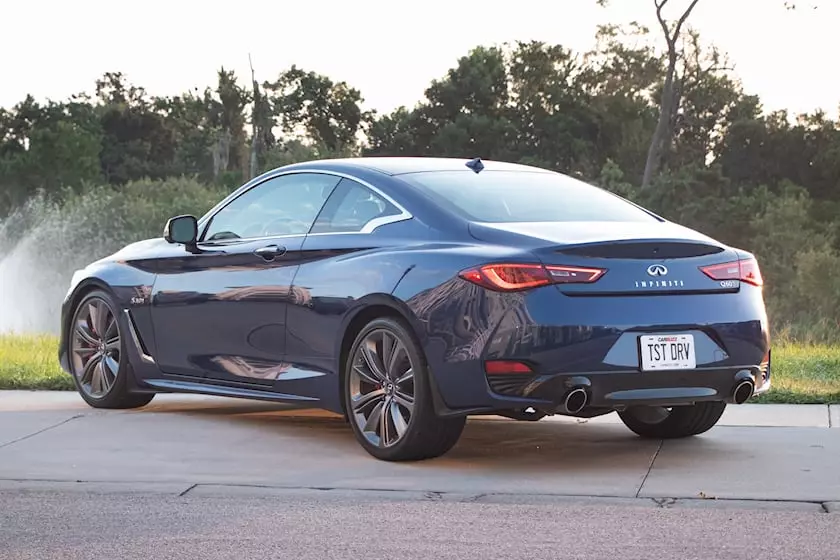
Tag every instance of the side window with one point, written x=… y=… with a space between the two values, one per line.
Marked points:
x=351 y=207
x=285 y=205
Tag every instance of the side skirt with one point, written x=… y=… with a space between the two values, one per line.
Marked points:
x=183 y=386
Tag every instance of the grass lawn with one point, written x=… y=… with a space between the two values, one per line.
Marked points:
x=801 y=373
x=31 y=362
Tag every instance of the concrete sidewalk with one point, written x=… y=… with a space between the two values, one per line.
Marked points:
x=189 y=443
x=747 y=415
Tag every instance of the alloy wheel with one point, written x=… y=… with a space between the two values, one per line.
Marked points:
x=382 y=388
x=95 y=347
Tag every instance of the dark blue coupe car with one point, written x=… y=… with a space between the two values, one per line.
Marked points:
x=410 y=293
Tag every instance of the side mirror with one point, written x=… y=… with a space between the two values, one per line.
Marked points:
x=182 y=229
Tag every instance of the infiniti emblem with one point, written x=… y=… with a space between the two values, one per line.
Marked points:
x=657 y=270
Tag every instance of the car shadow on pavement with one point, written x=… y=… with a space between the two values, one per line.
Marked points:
x=525 y=448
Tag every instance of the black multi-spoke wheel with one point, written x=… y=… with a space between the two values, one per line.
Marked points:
x=95 y=348
x=388 y=397
x=674 y=422
x=382 y=388
x=97 y=358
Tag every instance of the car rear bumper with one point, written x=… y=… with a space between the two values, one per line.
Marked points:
x=564 y=342
x=619 y=389
x=616 y=390
x=617 y=379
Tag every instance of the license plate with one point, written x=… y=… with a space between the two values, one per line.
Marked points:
x=667 y=351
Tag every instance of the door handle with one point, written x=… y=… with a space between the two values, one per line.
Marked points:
x=270 y=252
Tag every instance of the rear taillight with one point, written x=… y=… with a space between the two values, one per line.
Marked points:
x=518 y=277
x=574 y=275
x=745 y=270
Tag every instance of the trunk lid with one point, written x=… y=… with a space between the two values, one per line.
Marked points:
x=640 y=258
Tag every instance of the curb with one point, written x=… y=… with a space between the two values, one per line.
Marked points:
x=250 y=491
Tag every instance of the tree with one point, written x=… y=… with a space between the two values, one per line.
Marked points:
x=310 y=104
x=704 y=93
x=621 y=77
x=664 y=132
x=523 y=102
x=46 y=147
x=188 y=116
x=402 y=133
x=226 y=107
x=136 y=140
x=262 y=124
x=558 y=127
x=466 y=112
x=669 y=102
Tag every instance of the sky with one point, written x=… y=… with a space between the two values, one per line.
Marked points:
x=390 y=50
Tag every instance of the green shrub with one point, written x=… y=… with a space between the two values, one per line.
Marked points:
x=86 y=226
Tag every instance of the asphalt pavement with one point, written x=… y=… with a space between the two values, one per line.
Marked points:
x=346 y=525
x=206 y=477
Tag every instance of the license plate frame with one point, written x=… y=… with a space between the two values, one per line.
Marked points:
x=667 y=351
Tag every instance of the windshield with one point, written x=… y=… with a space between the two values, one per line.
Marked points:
x=522 y=196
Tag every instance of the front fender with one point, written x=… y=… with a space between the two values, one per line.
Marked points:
x=130 y=287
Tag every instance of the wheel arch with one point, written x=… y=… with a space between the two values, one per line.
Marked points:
x=373 y=307
x=72 y=301
x=84 y=288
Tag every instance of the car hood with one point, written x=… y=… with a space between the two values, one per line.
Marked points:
x=147 y=248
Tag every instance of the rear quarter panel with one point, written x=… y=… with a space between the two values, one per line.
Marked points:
x=343 y=278
x=462 y=324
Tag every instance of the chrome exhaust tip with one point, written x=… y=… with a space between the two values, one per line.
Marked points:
x=743 y=392
x=576 y=400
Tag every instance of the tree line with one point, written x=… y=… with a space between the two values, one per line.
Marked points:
x=766 y=181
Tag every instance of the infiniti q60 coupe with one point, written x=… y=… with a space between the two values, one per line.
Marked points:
x=409 y=293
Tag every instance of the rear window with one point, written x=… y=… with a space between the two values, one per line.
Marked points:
x=517 y=196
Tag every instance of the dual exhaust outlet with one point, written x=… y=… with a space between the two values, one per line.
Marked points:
x=743 y=391
x=577 y=399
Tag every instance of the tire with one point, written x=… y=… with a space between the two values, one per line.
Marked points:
x=424 y=435
x=102 y=387
x=679 y=422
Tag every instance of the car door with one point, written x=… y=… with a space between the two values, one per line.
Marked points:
x=221 y=313
x=357 y=220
